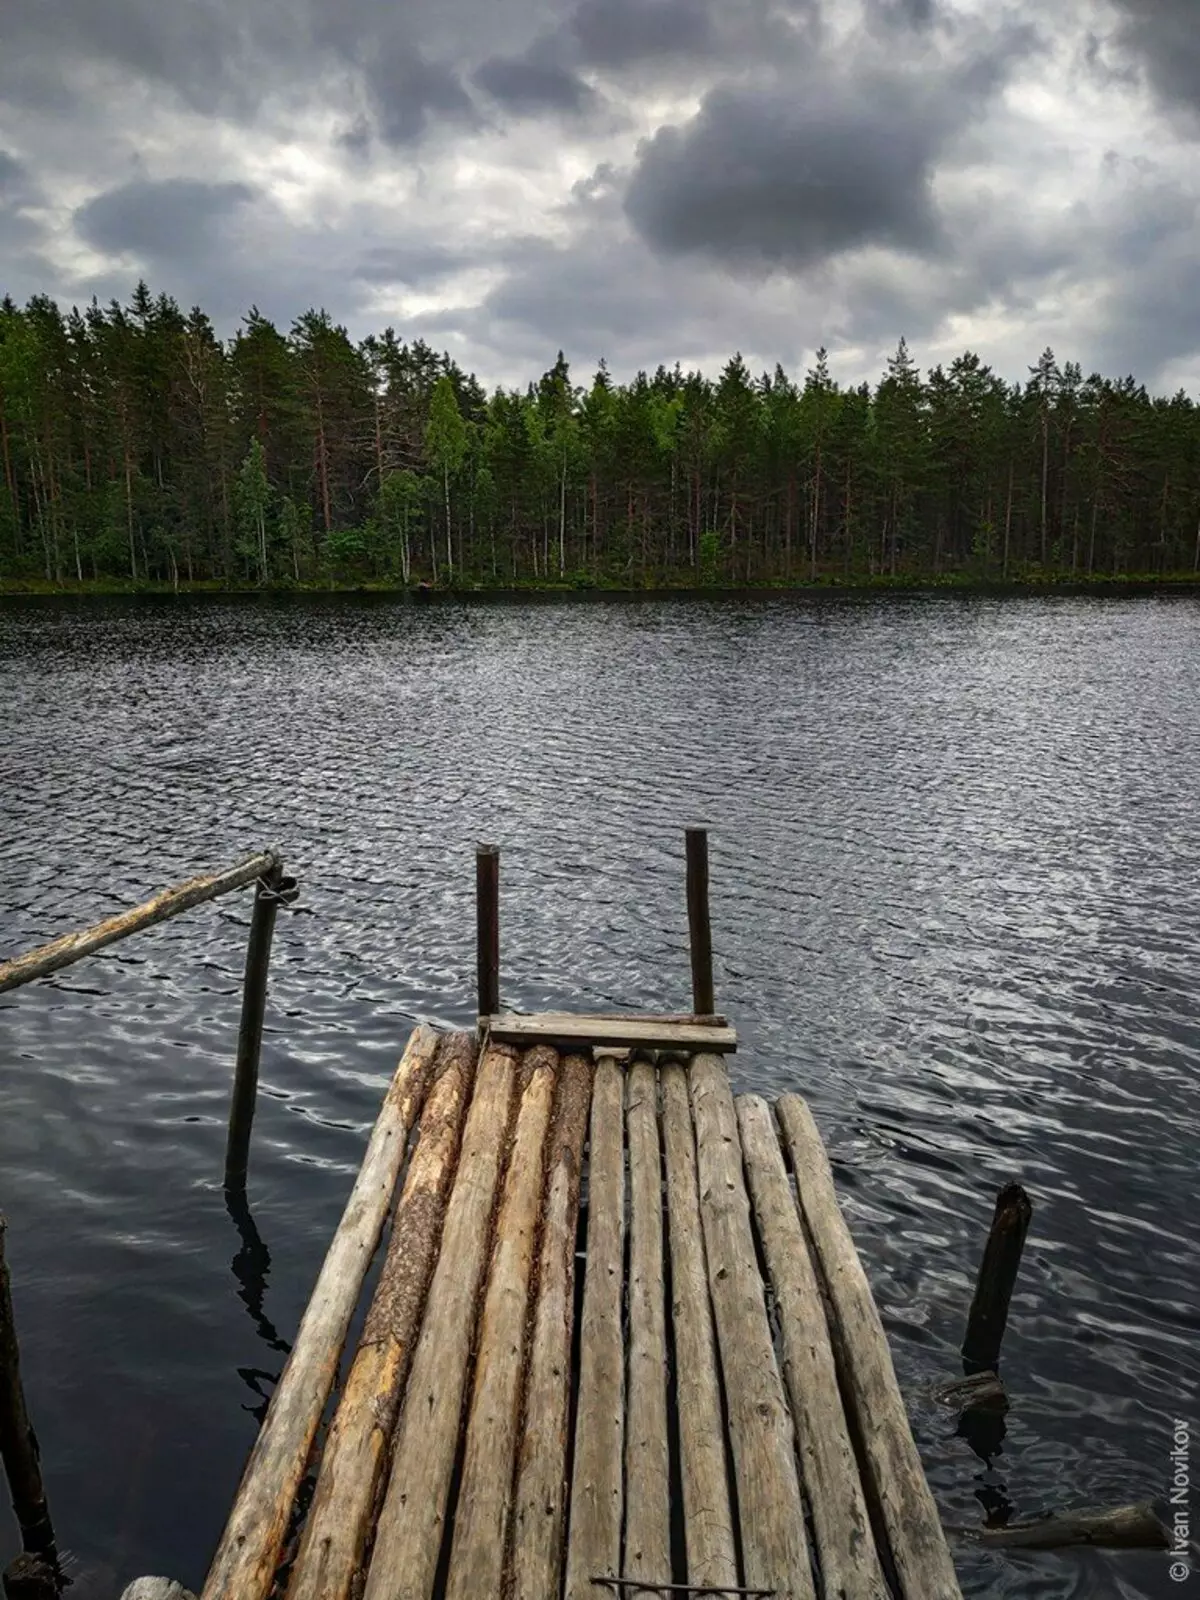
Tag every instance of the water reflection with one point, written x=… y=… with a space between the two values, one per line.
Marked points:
x=251 y=1266
x=954 y=902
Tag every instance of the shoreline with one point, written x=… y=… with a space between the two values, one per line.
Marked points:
x=1027 y=587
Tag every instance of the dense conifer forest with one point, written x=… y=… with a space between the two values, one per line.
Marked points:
x=137 y=446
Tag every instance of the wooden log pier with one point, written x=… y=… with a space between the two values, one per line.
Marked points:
x=721 y=1420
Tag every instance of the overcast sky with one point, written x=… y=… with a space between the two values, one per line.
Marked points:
x=643 y=180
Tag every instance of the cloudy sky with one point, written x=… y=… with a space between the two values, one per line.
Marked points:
x=643 y=180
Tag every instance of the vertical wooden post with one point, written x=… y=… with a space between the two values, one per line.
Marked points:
x=997 y=1276
x=18 y=1444
x=487 y=927
x=254 y=1003
x=699 y=928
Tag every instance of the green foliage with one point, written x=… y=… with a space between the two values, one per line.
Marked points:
x=135 y=445
x=710 y=556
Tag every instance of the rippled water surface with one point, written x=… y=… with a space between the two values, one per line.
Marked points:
x=956 y=903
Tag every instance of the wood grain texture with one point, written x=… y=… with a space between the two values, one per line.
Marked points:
x=771 y=1513
x=485 y=1495
x=647 y=1552
x=541 y=1497
x=893 y=1476
x=845 y=1546
x=412 y=1520
x=564 y=1029
x=71 y=947
x=248 y=1554
x=707 y=1517
x=594 y=1538
x=342 y=1514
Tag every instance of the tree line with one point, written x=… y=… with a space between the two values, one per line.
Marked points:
x=137 y=445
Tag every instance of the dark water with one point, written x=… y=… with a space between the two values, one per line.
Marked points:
x=956 y=903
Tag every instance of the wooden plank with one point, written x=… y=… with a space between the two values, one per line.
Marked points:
x=893 y=1476
x=594 y=1538
x=845 y=1546
x=340 y=1519
x=707 y=1518
x=244 y=1565
x=647 y=1462
x=71 y=947
x=481 y=1523
x=540 y=1503
x=408 y=1538
x=774 y=1547
x=563 y=1029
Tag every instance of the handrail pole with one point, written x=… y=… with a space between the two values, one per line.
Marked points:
x=699 y=927
x=250 y=1032
x=487 y=927
x=72 y=947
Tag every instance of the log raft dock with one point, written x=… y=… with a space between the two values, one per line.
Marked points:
x=622 y=1343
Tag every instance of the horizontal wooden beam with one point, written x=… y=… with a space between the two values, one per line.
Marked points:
x=629 y=1032
x=74 y=946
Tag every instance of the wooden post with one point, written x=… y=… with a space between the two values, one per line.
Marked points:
x=699 y=928
x=18 y=1444
x=487 y=927
x=988 y=1316
x=254 y=1004
x=32 y=1578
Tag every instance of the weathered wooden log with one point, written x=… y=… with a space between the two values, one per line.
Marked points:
x=32 y=1578
x=845 y=1544
x=594 y=1538
x=981 y=1390
x=1136 y=1527
x=254 y=1008
x=71 y=947
x=707 y=1518
x=157 y=1589
x=412 y=1520
x=248 y=1554
x=485 y=1495
x=699 y=926
x=998 y=1270
x=340 y=1519
x=892 y=1473
x=647 y=1459
x=18 y=1442
x=540 y=1502
x=774 y=1547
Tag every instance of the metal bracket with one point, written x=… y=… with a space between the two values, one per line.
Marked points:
x=284 y=893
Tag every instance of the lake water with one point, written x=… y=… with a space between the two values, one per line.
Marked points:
x=955 y=901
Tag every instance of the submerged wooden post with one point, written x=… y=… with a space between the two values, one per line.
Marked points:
x=699 y=927
x=487 y=927
x=18 y=1444
x=254 y=1004
x=998 y=1270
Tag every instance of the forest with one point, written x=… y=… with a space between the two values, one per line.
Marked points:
x=138 y=447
